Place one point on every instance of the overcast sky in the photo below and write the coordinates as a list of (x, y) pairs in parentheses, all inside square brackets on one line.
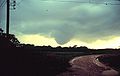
[(65, 20)]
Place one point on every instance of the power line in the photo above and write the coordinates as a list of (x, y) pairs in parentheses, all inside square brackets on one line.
[(19, 2), (90, 1), (3, 3)]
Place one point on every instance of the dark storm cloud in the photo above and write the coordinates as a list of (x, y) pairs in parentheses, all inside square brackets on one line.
[(66, 20)]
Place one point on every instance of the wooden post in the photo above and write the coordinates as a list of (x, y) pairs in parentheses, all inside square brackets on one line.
[(8, 17)]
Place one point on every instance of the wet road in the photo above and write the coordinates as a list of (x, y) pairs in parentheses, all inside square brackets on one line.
[(88, 66)]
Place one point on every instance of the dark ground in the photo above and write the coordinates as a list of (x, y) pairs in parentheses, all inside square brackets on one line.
[(31, 64), (22, 62), (28, 60)]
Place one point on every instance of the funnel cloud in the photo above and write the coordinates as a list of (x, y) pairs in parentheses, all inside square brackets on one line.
[(65, 21)]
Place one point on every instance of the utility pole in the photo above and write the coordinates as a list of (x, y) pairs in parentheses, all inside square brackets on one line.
[(8, 14), (8, 17)]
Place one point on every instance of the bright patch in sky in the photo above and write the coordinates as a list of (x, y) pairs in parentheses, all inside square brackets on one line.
[(41, 40)]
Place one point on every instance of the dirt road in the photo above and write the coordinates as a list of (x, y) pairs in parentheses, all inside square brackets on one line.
[(89, 66)]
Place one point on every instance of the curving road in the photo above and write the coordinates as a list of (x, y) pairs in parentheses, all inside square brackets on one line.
[(89, 66)]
